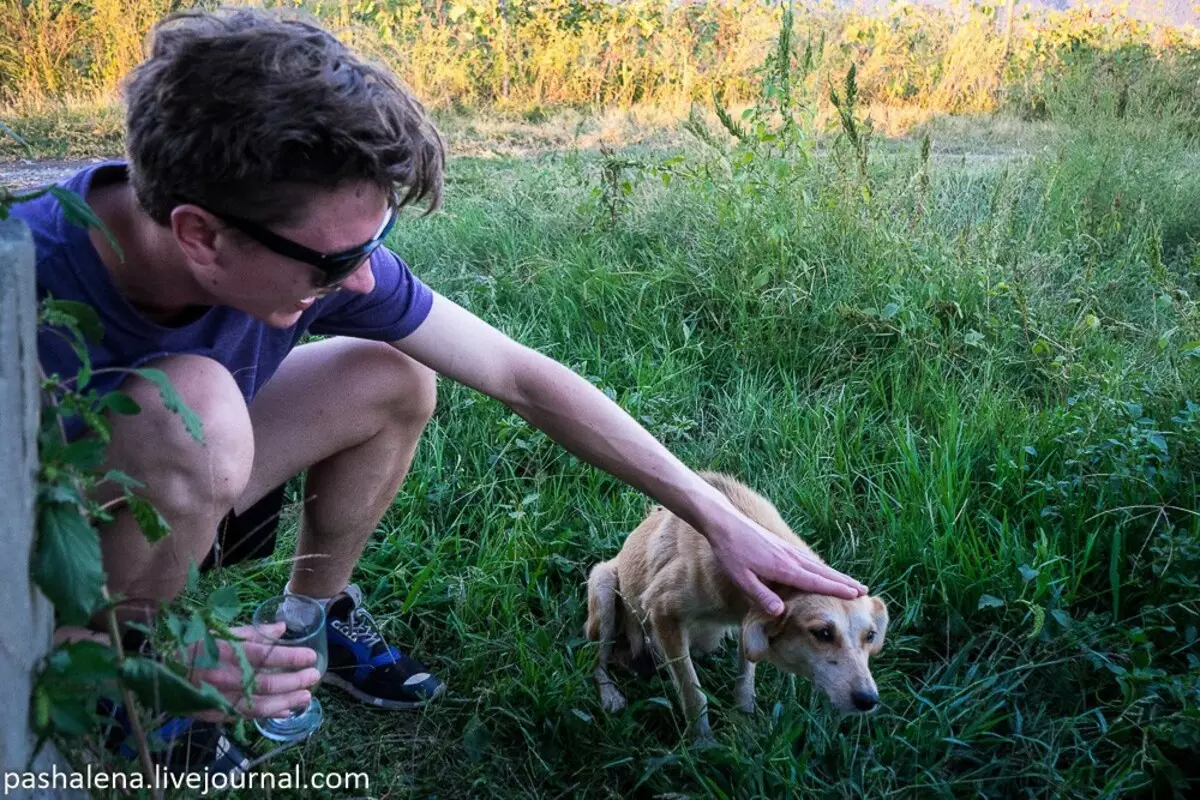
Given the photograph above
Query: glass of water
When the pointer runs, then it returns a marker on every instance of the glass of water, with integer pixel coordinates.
(304, 619)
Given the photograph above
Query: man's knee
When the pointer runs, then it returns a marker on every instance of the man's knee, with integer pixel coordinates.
(182, 474)
(402, 388)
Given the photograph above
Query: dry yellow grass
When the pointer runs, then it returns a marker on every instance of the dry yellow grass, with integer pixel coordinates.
(526, 56)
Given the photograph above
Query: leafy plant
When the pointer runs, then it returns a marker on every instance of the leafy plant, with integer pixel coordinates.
(856, 133)
(66, 561)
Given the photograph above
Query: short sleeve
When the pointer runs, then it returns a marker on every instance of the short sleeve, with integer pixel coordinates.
(396, 307)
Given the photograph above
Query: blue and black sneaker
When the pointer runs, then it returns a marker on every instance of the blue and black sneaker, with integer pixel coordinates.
(363, 664)
(179, 745)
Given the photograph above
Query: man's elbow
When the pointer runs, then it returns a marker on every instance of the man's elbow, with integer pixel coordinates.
(537, 382)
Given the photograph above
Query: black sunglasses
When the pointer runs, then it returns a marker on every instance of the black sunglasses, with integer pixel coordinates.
(335, 267)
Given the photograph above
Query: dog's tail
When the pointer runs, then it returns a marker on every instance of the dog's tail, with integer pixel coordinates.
(604, 606)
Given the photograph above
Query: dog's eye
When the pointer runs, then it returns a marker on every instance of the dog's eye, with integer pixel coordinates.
(823, 634)
(870, 636)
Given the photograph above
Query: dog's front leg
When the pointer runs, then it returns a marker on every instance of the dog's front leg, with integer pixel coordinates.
(743, 691)
(675, 645)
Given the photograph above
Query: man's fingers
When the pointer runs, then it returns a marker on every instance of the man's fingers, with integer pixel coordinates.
(829, 573)
(261, 706)
(265, 634)
(274, 655)
(273, 705)
(763, 597)
(229, 679)
(285, 682)
(820, 585)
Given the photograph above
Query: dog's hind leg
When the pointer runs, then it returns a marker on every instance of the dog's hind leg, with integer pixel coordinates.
(603, 611)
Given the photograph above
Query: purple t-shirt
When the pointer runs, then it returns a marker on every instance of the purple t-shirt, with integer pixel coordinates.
(69, 268)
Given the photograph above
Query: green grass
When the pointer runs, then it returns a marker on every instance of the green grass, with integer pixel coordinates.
(971, 391)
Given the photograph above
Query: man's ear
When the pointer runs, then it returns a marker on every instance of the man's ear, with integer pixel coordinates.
(757, 630)
(196, 232)
(880, 614)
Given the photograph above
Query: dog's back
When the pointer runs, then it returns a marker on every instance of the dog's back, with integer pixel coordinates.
(665, 553)
(667, 568)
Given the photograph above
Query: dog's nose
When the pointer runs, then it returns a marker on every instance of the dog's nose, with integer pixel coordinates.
(864, 701)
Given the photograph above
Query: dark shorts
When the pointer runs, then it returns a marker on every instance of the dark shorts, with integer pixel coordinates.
(241, 537)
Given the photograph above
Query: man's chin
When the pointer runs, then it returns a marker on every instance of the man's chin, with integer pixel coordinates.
(280, 319)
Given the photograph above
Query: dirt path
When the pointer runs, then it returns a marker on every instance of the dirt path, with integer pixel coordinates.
(20, 175)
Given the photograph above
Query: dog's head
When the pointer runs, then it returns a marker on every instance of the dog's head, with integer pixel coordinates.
(827, 640)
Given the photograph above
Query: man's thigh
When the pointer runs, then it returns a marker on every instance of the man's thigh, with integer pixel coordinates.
(325, 398)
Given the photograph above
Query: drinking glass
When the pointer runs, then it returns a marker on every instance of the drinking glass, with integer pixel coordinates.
(304, 619)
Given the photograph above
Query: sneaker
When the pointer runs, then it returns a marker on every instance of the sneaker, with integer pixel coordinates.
(180, 745)
(364, 665)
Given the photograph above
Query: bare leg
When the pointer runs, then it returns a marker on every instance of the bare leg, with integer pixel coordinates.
(348, 410)
(351, 412)
(192, 485)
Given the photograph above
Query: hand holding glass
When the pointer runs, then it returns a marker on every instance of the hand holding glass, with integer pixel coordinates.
(304, 626)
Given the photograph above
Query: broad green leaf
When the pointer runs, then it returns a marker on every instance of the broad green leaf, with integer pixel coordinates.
(476, 739)
(121, 479)
(72, 313)
(67, 562)
(988, 601)
(163, 690)
(90, 661)
(120, 403)
(58, 493)
(76, 210)
(209, 655)
(153, 526)
(224, 603)
(196, 629)
(69, 715)
(173, 402)
(84, 454)
(193, 576)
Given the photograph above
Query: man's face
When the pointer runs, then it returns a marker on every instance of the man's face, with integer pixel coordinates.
(277, 289)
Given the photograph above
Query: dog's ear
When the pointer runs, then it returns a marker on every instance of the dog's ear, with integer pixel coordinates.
(757, 630)
(880, 613)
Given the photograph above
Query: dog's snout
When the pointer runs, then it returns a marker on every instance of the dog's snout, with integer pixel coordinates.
(864, 700)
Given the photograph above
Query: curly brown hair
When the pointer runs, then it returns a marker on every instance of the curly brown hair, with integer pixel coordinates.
(239, 110)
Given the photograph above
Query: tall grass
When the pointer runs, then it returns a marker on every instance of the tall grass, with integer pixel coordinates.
(528, 56)
(973, 385)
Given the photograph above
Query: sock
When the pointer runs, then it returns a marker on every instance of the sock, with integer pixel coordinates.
(324, 601)
(288, 593)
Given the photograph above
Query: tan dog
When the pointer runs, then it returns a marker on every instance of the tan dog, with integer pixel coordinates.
(665, 589)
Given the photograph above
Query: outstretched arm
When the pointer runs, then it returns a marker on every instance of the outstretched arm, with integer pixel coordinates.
(550, 396)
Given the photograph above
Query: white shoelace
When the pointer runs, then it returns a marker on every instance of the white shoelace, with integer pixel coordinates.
(362, 617)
